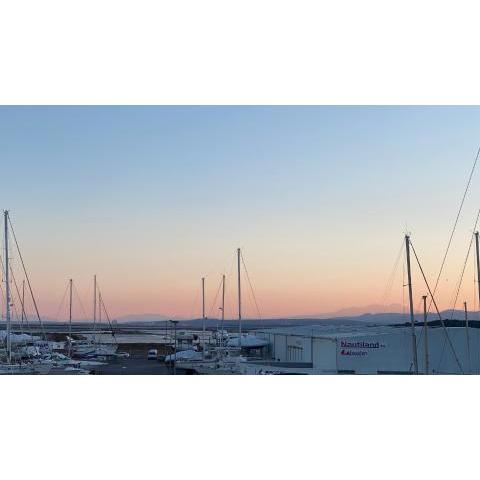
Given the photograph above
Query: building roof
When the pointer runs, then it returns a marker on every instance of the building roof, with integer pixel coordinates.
(335, 331)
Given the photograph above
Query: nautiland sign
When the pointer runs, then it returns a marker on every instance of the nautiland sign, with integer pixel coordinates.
(359, 348)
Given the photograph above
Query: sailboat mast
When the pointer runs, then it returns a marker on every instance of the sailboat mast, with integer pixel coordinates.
(467, 336)
(425, 327)
(412, 315)
(100, 310)
(239, 299)
(70, 313)
(23, 301)
(223, 309)
(7, 290)
(203, 316)
(94, 304)
(71, 302)
(478, 267)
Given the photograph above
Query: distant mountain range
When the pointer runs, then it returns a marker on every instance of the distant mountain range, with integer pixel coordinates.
(357, 311)
(149, 317)
(377, 314)
(346, 312)
(373, 314)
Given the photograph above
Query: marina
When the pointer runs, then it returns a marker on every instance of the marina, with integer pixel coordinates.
(433, 329)
(104, 347)
(301, 350)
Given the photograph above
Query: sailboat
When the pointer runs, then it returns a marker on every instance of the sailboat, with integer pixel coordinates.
(9, 367)
(226, 358)
(247, 342)
(91, 348)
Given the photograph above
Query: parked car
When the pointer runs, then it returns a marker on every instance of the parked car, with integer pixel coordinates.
(152, 354)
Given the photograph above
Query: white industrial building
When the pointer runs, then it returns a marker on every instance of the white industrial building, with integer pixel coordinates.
(367, 350)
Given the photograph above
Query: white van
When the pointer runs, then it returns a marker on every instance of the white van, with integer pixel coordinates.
(152, 354)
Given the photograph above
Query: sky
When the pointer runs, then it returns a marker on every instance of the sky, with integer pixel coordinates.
(151, 199)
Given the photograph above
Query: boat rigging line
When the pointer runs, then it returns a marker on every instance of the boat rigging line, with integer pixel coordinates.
(60, 308)
(436, 308)
(101, 304)
(251, 288)
(21, 297)
(391, 278)
(2, 292)
(467, 188)
(460, 281)
(79, 299)
(462, 274)
(27, 278)
(215, 300)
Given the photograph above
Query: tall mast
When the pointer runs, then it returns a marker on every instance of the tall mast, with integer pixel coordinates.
(98, 303)
(239, 300)
(223, 310)
(94, 305)
(425, 327)
(478, 268)
(70, 315)
(468, 337)
(71, 303)
(100, 311)
(7, 290)
(412, 315)
(23, 301)
(203, 316)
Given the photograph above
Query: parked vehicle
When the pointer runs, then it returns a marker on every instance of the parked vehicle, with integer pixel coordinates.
(152, 354)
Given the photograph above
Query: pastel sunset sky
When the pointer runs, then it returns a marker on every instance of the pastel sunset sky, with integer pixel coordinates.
(319, 198)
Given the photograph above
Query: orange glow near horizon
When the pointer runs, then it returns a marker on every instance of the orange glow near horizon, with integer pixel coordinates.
(299, 288)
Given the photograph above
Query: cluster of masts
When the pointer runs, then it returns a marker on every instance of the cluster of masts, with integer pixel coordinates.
(222, 307)
(408, 247)
(89, 350)
(98, 302)
(98, 307)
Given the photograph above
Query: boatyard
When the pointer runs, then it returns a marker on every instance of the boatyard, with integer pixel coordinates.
(298, 350)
